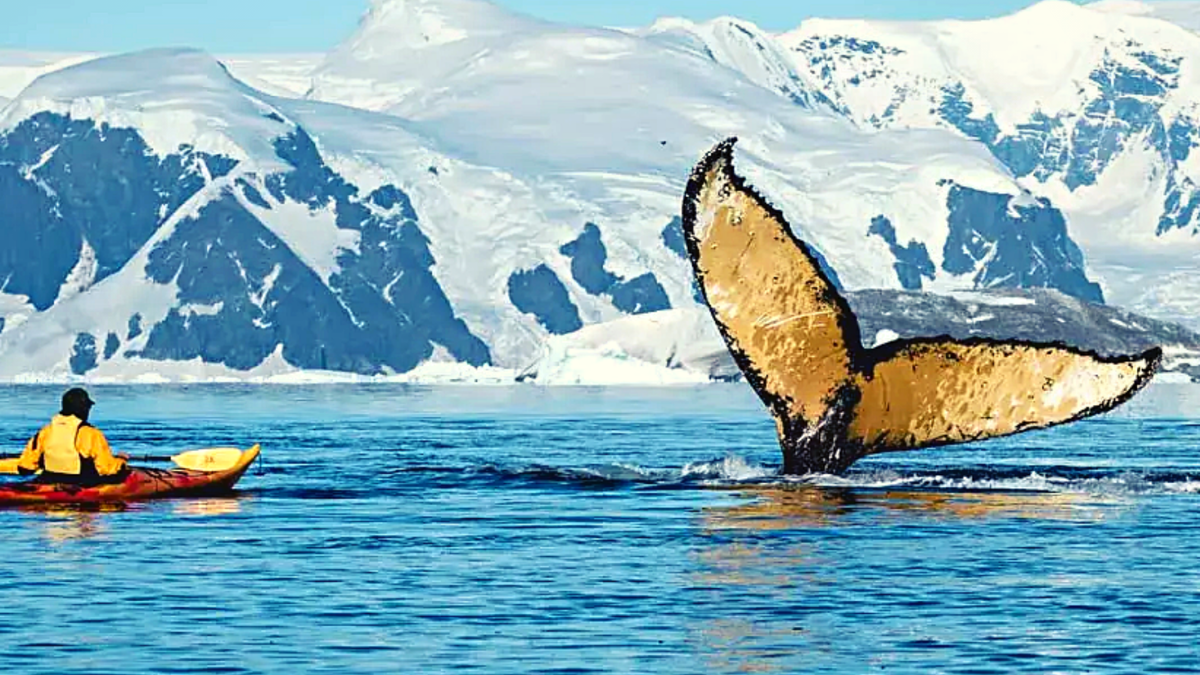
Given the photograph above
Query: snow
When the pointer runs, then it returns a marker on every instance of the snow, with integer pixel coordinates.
(738, 45)
(274, 370)
(28, 172)
(172, 96)
(19, 68)
(885, 336)
(607, 365)
(16, 309)
(1185, 14)
(193, 309)
(283, 75)
(81, 277)
(490, 90)
(666, 348)
(1055, 49)
(483, 223)
(404, 32)
(259, 297)
(1115, 224)
(678, 345)
(994, 299)
(1122, 324)
(288, 75)
(1060, 43)
(1166, 293)
(572, 366)
(313, 235)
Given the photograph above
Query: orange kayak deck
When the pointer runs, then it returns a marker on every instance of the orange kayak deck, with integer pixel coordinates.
(141, 483)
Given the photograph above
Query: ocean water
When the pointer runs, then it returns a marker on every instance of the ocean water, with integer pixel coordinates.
(406, 529)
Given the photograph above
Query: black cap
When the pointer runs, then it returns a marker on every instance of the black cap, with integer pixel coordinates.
(76, 399)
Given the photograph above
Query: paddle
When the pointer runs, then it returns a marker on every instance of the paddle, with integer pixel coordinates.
(207, 459)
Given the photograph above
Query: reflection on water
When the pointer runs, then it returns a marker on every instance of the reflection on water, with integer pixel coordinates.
(62, 523)
(213, 506)
(776, 561)
(74, 526)
(730, 646)
(784, 508)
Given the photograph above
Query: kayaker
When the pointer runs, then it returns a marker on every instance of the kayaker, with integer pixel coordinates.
(69, 450)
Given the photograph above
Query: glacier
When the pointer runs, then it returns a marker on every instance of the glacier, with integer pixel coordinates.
(462, 188)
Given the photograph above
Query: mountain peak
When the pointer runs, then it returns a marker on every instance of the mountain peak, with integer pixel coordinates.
(418, 24)
(1047, 8)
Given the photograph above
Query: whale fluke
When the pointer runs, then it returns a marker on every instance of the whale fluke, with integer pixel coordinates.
(834, 402)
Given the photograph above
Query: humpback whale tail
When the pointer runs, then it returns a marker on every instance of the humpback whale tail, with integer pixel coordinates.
(834, 402)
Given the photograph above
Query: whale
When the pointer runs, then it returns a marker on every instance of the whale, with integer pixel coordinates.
(833, 401)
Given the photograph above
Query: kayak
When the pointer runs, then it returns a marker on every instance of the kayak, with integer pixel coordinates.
(140, 483)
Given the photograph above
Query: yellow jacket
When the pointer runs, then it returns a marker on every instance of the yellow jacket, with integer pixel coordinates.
(65, 446)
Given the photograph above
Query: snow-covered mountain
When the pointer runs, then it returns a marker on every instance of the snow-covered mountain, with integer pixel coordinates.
(1096, 108)
(456, 183)
(157, 209)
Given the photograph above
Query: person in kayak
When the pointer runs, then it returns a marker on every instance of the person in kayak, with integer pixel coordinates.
(69, 450)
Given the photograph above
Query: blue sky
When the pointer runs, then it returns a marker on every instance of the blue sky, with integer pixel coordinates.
(316, 25)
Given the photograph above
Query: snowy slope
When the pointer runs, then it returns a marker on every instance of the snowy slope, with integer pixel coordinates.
(278, 74)
(287, 75)
(1095, 107)
(742, 47)
(171, 97)
(19, 68)
(510, 91)
(1185, 13)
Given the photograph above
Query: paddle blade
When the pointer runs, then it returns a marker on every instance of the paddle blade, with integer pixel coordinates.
(209, 459)
(9, 466)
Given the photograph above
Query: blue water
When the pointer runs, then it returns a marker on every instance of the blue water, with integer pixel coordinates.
(523, 530)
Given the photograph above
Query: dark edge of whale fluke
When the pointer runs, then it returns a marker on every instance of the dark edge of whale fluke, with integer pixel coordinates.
(826, 444)
(823, 449)
(721, 156)
(721, 153)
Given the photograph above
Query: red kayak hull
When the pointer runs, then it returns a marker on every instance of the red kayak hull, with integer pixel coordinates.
(141, 483)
